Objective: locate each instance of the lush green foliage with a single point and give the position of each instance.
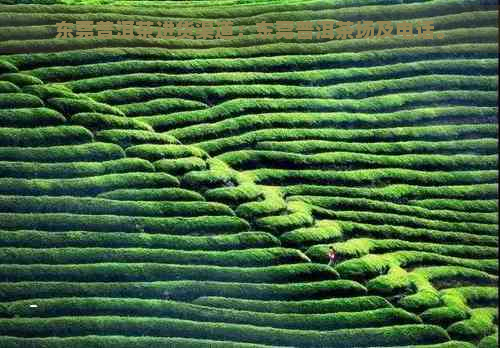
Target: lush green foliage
(44, 136)
(186, 193)
(30, 117)
(234, 241)
(130, 137)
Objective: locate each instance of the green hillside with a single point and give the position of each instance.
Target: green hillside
(185, 193)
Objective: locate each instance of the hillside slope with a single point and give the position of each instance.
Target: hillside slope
(184, 193)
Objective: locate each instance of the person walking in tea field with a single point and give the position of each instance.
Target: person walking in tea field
(332, 256)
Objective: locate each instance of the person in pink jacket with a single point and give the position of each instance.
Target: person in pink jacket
(332, 255)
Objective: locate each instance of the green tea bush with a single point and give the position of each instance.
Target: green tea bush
(472, 296)
(371, 265)
(208, 94)
(245, 258)
(157, 73)
(251, 44)
(251, 159)
(389, 105)
(466, 195)
(19, 100)
(120, 342)
(482, 323)
(323, 231)
(460, 36)
(30, 117)
(97, 122)
(21, 79)
(480, 146)
(33, 170)
(353, 204)
(235, 195)
(153, 107)
(357, 121)
(184, 290)
(355, 229)
(178, 310)
(156, 194)
(404, 220)
(180, 9)
(272, 203)
(373, 176)
(131, 137)
(46, 92)
(153, 152)
(91, 152)
(99, 206)
(80, 239)
(151, 272)
(150, 232)
(298, 215)
(444, 316)
(114, 223)
(44, 136)
(446, 132)
(71, 106)
(489, 341)
(112, 325)
(457, 204)
(85, 186)
(217, 146)
(357, 247)
(350, 304)
(456, 304)
(449, 344)
(180, 166)
(202, 180)
(6, 67)
(425, 298)
(270, 57)
(8, 87)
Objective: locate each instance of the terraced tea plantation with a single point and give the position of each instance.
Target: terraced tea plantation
(185, 193)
